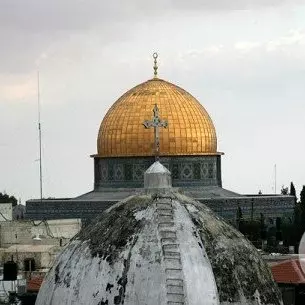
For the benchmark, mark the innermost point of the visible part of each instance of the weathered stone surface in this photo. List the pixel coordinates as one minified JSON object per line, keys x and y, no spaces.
{"x":159,"y":250}
{"x":239,"y":270}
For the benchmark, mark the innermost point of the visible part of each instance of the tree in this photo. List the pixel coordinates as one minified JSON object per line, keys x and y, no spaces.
{"x":239,"y":216}
{"x":302,"y":196}
{"x":284,"y":190}
{"x":278,"y":226}
{"x":299,"y":216}
{"x":292,"y":190}
{"x":289,"y":234}
{"x":4,"y":198}
{"x":263,"y":227}
{"x":251,"y":229}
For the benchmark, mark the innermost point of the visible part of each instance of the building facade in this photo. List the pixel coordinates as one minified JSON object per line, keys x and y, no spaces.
{"x":158,"y":119}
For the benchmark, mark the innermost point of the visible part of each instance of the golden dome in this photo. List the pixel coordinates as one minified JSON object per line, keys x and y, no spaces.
{"x":190,"y":129}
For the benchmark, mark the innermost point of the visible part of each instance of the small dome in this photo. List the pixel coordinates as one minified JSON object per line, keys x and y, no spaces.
{"x":190,"y":129}
{"x":157,"y":178}
{"x":167,"y":250}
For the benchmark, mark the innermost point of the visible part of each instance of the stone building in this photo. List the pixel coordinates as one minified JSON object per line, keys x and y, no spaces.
{"x":38,"y":242}
{"x":18,"y":212}
{"x":6,"y":211}
{"x":187,"y":146}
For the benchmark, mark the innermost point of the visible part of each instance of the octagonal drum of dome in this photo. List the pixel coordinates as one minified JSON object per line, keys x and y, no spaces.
{"x":166,"y":250}
{"x":190,"y":129}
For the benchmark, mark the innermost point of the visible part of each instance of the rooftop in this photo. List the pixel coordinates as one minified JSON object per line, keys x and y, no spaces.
{"x":289,"y":272}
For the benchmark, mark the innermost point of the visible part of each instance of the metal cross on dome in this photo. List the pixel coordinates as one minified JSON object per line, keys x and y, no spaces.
{"x":156,"y":123}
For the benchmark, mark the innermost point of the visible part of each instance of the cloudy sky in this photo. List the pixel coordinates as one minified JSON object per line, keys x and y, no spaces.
{"x":244,"y":60}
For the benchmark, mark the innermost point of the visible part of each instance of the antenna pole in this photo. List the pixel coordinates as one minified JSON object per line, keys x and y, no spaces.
{"x":39,"y":133}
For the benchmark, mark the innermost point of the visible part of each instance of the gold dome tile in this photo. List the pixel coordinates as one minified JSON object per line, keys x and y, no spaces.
{"x":190,"y":129}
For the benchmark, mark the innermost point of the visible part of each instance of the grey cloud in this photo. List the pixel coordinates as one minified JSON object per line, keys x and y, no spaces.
{"x":230,"y":5}
{"x":56,"y":15}
{"x":21,"y":51}
{"x":30,"y":28}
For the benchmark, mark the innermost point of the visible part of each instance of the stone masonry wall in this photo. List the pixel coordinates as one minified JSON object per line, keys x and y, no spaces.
{"x":270,"y":206}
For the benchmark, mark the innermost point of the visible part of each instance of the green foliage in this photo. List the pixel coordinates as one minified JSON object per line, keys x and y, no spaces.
{"x":257,"y":231}
{"x":288,"y":230}
{"x":4,"y":198}
{"x":298,"y":223}
{"x":284,"y":190}
{"x":299,"y":216}
{"x":289,"y":234}
{"x":292,"y":190}
{"x":239,"y":214}
{"x":251,"y":229}
{"x":271,"y":237}
{"x":302,"y":196}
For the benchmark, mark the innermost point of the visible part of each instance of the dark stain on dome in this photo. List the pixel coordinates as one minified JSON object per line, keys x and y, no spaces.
{"x":113,"y":229}
{"x":119,"y":299}
{"x":238,"y":268}
{"x":66,"y":280}
{"x":57,"y":278}
{"x":109,"y":287}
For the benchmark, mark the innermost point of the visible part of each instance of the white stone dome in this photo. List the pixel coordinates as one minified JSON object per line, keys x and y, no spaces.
{"x":169,"y":250}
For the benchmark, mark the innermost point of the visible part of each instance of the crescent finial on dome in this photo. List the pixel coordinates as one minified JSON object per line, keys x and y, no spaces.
{"x":155,"y":56}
